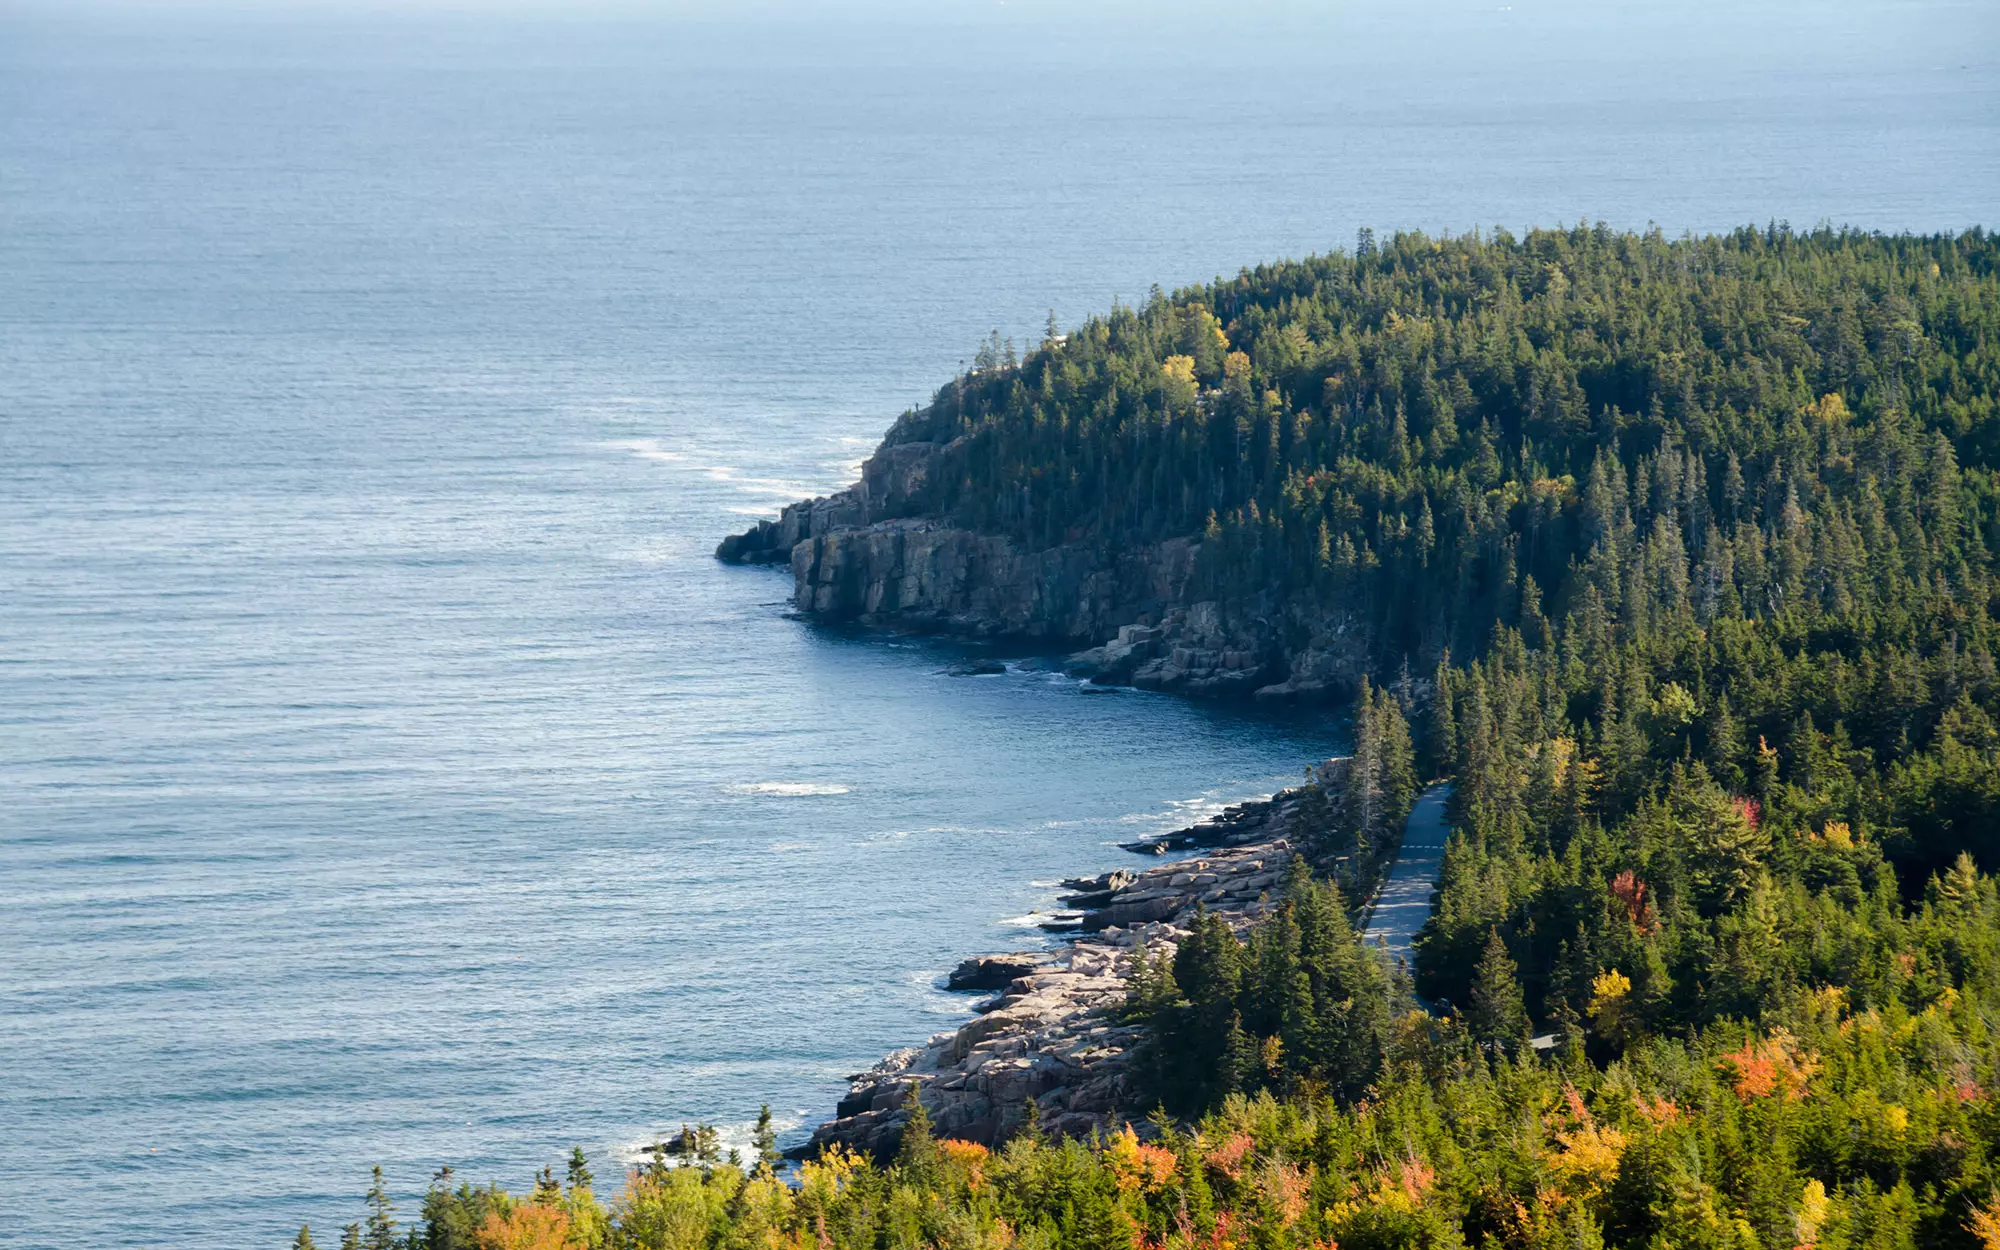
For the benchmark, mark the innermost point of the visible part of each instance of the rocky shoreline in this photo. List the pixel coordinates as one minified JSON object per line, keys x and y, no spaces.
{"x":873,"y":555}
{"x":1052,"y":1033}
{"x":877,"y":555}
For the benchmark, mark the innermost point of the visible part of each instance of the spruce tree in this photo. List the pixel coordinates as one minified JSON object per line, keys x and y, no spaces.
{"x":304,"y":1241}
{"x":1653,"y":986}
{"x":1193,"y":1038}
{"x":547,"y":1192}
{"x":916,"y":1153}
{"x":766,"y":1141}
{"x":1499,"y":1016}
{"x":1724,"y":747}
{"x":1441,"y":730}
{"x":1239,"y":1064}
{"x":1030,"y":1129}
{"x":1398,"y":757}
{"x":381,"y":1222}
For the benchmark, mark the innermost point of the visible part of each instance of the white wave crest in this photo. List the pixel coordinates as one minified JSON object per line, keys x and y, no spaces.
{"x":789,"y":789}
{"x":646,"y":449}
{"x":767,"y":487}
{"x":1033,"y":920}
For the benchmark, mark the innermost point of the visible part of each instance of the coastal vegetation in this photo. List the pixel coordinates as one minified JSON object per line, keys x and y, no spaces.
{"x":1681,"y":559}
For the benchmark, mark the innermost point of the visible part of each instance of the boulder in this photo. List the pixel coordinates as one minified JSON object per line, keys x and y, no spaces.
{"x":1095,"y":891}
{"x":994,"y":972}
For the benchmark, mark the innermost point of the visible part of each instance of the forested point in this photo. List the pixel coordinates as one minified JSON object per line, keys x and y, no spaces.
{"x":1678,"y":558}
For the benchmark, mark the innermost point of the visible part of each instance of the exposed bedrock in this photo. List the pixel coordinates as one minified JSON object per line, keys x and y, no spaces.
{"x":995,"y":972}
{"x":868,"y":555}
{"x":1054,"y":1035}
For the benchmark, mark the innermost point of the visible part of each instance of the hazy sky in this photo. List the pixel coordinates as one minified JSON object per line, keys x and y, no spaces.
{"x":1529,"y":39}
{"x":1747,"y":33}
{"x":1972,"y":18}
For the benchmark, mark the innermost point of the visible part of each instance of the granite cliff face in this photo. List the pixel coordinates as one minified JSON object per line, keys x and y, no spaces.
{"x":870,"y":555}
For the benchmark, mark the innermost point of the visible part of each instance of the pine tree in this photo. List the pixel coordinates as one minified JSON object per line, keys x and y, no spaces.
{"x":1958,"y":887}
{"x":304,"y":1241}
{"x":1364,"y":799}
{"x":1030,"y":1130}
{"x":916,"y":1154}
{"x":381,"y":1222}
{"x":1441,"y":733}
{"x":1240,"y":1054}
{"x":1766,"y":779}
{"x":1724,"y":747}
{"x":766,"y":1141}
{"x":1342,"y":1045}
{"x":1499,"y":1016}
{"x":1150,"y":988}
{"x":1398,"y":758}
{"x":1652,"y":986}
{"x":1192,"y":1039}
{"x":579,"y":1170}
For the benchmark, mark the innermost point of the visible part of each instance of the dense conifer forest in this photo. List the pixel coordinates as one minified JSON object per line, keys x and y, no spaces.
{"x":1678,"y":559}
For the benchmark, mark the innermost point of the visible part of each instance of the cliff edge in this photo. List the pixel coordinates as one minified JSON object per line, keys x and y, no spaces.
{"x":871,"y":555}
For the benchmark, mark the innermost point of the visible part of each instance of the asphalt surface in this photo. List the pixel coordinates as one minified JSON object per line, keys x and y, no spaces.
{"x":1404,"y":903}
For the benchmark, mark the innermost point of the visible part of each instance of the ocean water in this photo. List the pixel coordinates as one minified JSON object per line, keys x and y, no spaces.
{"x":387,"y":773}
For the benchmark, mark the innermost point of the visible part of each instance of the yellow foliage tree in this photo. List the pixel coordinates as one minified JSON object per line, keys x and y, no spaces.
{"x":1830,"y":409}
{"x":1813,"y":1208}
{"x":1177,"y":381}
{"x":529,"y":1226}
{"x":1985,"y":1223}
{"x":1135,"y":1165}
{"x":1610,"y":999}
{"x":1587,"y":1164}
{"x":967,"y":1158}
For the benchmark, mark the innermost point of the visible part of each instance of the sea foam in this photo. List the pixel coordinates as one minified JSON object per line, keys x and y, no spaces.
{"x":788,"y":789}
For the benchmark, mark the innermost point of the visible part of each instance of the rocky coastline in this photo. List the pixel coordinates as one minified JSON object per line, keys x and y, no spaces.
{"x":1051,"y":1032}
{"x":875,"y":555}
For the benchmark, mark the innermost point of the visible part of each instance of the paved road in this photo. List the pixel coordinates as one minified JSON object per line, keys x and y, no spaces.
{"x":1405,"y":901}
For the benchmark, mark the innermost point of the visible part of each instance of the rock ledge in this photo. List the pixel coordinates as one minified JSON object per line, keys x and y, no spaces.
{"x":873,"y":555}
{"x":1053,"y":1032}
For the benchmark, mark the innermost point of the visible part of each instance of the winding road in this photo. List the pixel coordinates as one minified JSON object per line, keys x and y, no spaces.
{"x":1404,"y":902}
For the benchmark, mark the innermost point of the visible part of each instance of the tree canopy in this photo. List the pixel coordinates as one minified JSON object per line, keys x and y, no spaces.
{"x":1693,"y":545}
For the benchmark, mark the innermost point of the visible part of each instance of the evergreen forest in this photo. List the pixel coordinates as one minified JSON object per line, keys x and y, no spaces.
{"x":1679,"y":561}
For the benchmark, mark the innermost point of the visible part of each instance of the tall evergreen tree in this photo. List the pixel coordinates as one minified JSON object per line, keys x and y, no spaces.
{"x":916,"y":1152}
{"x":381,"y":1223}
{"x":1499,"y":1017}
{"x":766,"y":1140}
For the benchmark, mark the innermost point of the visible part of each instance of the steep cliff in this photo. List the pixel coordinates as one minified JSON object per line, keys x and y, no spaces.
{"x":868,"y":555}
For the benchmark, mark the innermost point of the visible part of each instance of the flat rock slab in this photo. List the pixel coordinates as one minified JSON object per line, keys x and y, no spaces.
{"x":994,"y":972}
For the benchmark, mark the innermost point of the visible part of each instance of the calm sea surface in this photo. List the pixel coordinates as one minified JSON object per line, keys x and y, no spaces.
{"x":387,"y":773}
